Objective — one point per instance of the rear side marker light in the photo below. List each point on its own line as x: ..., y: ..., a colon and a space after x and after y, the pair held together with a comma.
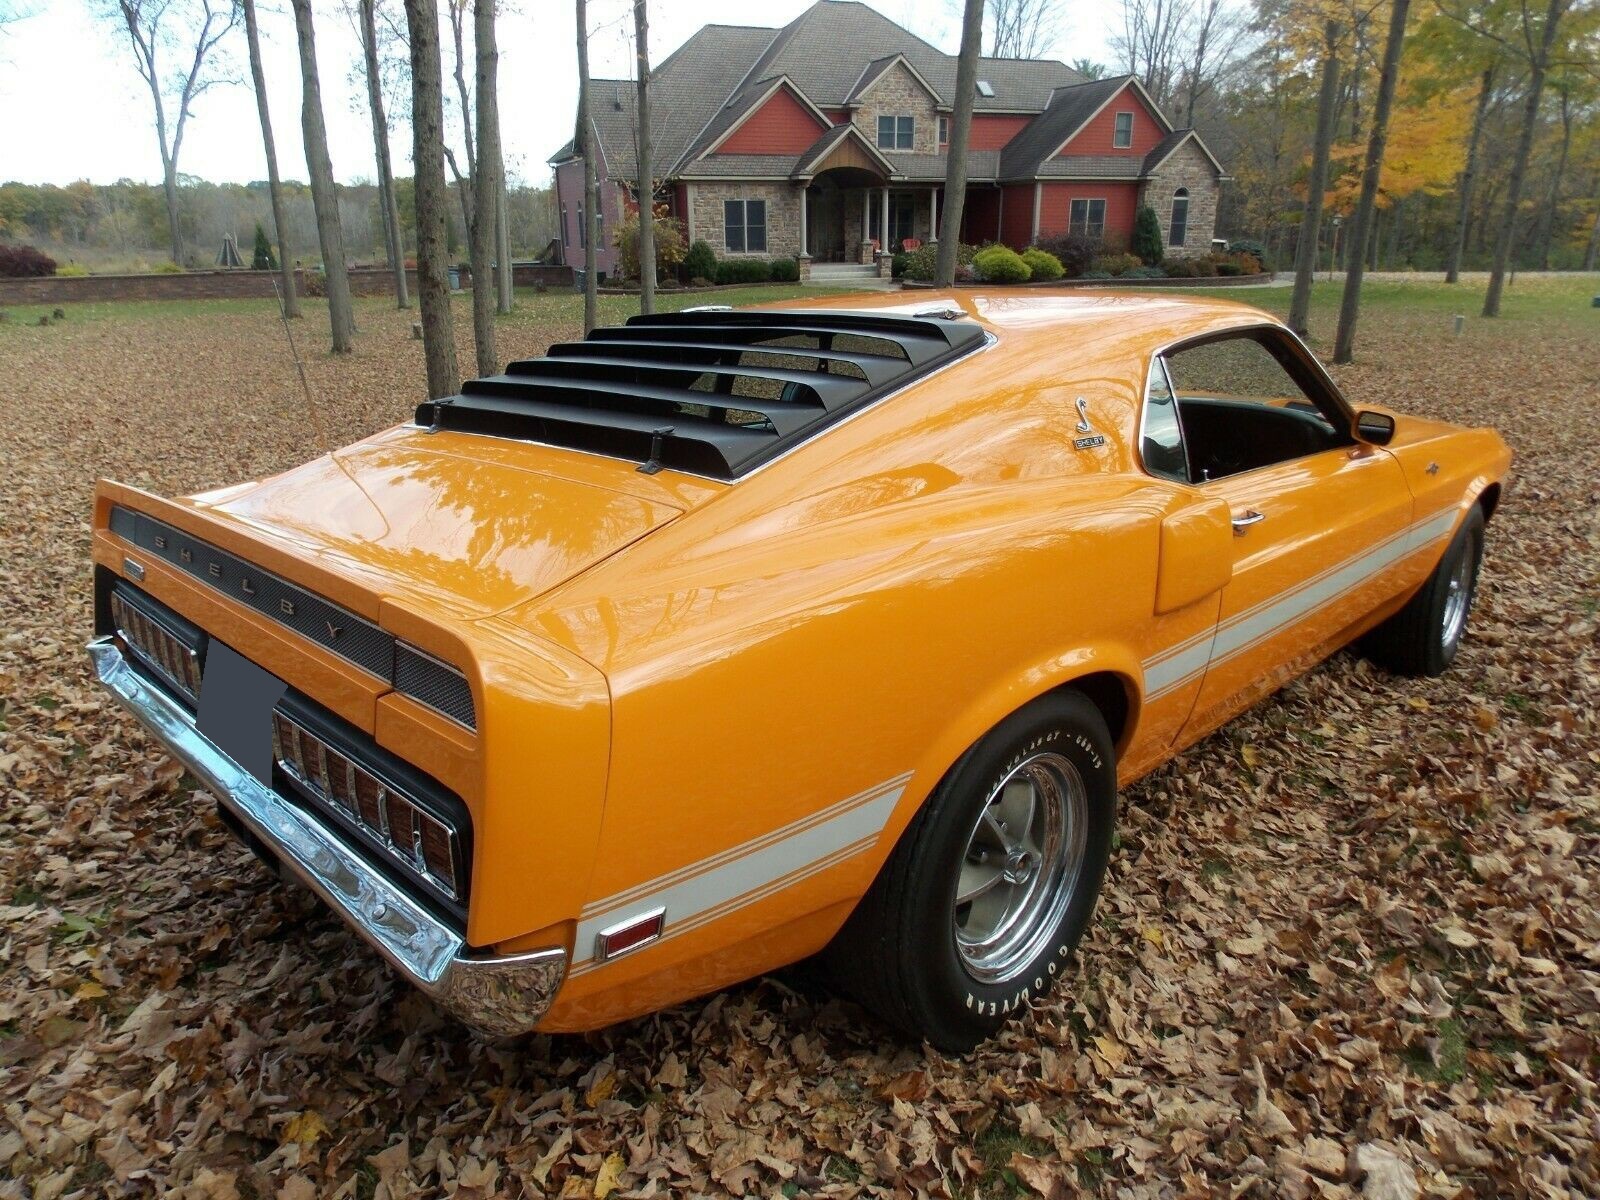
x: 635, y: 932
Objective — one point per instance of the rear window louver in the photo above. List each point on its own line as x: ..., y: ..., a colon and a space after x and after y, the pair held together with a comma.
x: 715, y: 393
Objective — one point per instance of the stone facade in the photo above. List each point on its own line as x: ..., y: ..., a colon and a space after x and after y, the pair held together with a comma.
x: 1187, y: 167
x: 783, y: 216
x: 896, y: 93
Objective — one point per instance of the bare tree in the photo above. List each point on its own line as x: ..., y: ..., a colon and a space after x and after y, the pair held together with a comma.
x: 432, y: 199
x: 394, y: 243
x: 1305, y: 260
x: 1088, y: 68
x: 504, y: 278
x: 291, y: 301
x: 457, y: 10
x: 324, y: 192
x: 1469, y: 170
x: 1022, y: 28
x: 1152, y: 43
x: 1214, y: 32
x: 485, y: 187
x: 1361, y: 224
x: 644, y: 168
x: 591, y: 201
x: 1553, y: 205
x: 955, y: 189
x: 190, y: 31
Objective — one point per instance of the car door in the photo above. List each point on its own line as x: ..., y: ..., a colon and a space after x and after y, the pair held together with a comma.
x: 1319, y: 519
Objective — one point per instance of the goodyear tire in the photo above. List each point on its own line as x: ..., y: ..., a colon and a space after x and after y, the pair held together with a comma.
x: 993, y: 883
x: 1423, y: 637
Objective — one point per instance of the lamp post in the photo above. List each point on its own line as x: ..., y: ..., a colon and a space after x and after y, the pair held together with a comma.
x: 1333, y: 251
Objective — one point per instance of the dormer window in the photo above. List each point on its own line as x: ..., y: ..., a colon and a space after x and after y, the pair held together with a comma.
x: 944, y: 131
x: 896, y: 133
x: 986, y: 89
x: 1122, y: 137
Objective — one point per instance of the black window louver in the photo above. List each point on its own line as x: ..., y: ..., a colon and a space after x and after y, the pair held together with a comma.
x: 716, y: 393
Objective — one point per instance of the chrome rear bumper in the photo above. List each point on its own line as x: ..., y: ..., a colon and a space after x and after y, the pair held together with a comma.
x: 498, y: 996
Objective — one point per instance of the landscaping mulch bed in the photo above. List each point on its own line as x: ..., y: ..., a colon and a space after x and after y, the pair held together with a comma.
x: 1348, y: 945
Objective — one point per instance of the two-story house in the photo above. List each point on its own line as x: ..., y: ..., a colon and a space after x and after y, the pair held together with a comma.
x: 827, y: 140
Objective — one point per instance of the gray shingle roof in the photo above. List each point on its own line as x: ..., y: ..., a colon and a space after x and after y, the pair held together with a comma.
x: 982, y: 166
x: 1092, y: 166
x: 740, y: 166
x: 1069, y: 108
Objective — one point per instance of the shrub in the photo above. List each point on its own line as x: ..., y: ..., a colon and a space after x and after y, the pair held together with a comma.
x: 922, y: 264
x: 1044, y: 265
x: 898, y: 263
x: 1117, y: 264
x: 1147, y: 235
x: 1154, y: 272
x: 1249, y: 264
x: 700, y: 281
x: 700, y: 262
x: 263, y: 259
x: 1000, y: 264
x: 744, y: 270
x: 1251, y: 247
x: 670, y: 248
x: 1073, y: 251
x: 24, y: 262
x: 785, y: 270
x: 1095, y: 275
x: 1203, y: 267
x: 72, y: 270
x: 1228, y: 267
x: 168, y: 268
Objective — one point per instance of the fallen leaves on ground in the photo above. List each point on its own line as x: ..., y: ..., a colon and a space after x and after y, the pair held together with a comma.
x: 1348, y: 946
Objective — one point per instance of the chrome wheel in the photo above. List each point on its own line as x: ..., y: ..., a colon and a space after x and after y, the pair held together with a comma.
x: 1458, y: 596
x: 1021, y: 866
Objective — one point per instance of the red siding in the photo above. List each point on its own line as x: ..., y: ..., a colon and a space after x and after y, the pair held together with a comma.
x: 1016, y: 217
x: 782, y: 125
x: 992, y: 133
x: 839, y: 116
x: 569, y: 195
x: 1055, y: 207
x: 1096, y: 137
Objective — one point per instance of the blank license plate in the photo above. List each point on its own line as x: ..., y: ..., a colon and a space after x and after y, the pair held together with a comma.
x: 236, y: 702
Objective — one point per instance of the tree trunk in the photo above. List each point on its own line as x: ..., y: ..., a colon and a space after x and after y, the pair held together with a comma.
x: 1537, y: 66
x: 394, y: 243
x: 1452, y: 272
x: 644, y: 169
x: 433, y: 199
x: 485, y: 187
x: 324, y: 194
x: 504, y: 278
x: 1553, y: 212
x: 169, y: 193
x: 955, y: 186
x: 586, y: 147
x: 1592, y: 254
x: 1363, y: 222
x: 1305, y: 259
x: 290, y: 299
x: 463, y: 182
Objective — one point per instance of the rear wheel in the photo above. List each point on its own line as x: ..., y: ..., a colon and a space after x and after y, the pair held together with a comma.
x: 993, y: 883
x: 1423, y: 637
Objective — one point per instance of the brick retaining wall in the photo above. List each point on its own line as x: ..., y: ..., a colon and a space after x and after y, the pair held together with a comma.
x: 227, y: 284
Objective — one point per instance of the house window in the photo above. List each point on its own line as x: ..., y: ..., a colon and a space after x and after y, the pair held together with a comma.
x: 944, y: 131
x: 1122, y: 138
x: 896, y: 133
x: 1088, y: 218
x: 566, y: 230
x: 1178, y: 227
x: 583, y: 230
x: 744, y: 225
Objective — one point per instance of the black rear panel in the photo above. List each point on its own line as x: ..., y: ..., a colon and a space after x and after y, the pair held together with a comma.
x: 715, y: 393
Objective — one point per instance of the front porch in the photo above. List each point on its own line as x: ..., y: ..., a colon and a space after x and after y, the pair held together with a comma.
x: 846, y: 216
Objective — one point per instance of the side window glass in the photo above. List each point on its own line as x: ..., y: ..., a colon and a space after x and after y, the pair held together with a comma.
x: 1161, y: 434
x: 1241, y: 408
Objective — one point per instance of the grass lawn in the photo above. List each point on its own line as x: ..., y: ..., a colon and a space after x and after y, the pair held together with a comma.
x: 1360, y: 922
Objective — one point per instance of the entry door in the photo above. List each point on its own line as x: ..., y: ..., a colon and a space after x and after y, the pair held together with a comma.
x: 825, y: 224
x: 1320, y: 521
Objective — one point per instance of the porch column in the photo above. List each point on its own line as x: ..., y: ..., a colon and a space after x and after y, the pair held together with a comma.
x: 933, y: 214
x: 866, y: 214
x: 883, y: 227
x: 803, y: 249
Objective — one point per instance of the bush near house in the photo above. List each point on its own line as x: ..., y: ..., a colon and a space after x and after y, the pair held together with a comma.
x: 922, y: 264
x: 670, y: 245
x: 1146, y: 241
x: 785, y: 270
x: 743, y: 270
x: 24, y: 262
x: 1000, y: 264
x: 1044, y: 266
x: 701, y: 261
x: 1073, y: 251
x: 1253, y: 248
x: 1117, y: 264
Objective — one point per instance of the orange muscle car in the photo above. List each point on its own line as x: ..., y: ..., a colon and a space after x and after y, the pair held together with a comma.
x: 726, y: 638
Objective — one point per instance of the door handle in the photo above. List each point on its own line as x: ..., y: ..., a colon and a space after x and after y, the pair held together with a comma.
x: 1246, y: 519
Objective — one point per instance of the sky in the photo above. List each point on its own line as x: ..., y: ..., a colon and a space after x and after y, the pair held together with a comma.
x: 76, y: 108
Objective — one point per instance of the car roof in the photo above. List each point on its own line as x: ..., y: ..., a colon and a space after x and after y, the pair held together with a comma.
x: 1027, y: 314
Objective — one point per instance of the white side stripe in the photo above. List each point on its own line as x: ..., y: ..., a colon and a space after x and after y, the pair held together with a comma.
x: 1179, y: 664
x: 747, y: 872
